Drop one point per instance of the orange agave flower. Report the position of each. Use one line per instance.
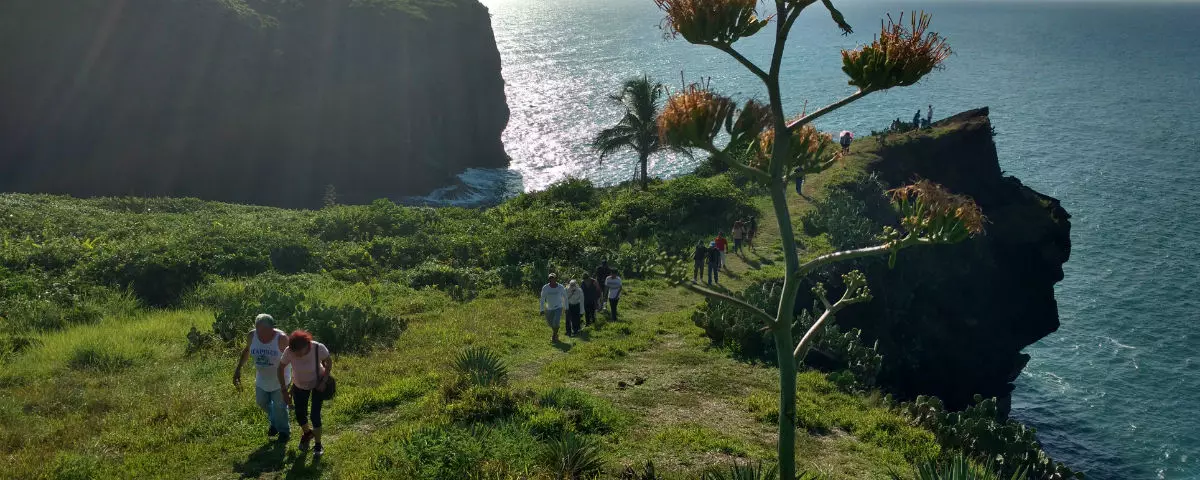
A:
(807, 150)
(694, 117)
(898, 57)
(712, 22)
(928, 211)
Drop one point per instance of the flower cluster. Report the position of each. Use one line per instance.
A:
(694, 117)
(899, 56)
(931, 213)
(712, 22)
(808, 150)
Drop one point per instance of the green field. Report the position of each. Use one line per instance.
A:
(100, 379)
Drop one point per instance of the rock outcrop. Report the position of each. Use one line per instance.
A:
(255, 101)
(952, 320)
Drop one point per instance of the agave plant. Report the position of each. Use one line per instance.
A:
(958, 467)
(481, 366)
(574, 457)
(748, 471)
(900, 55)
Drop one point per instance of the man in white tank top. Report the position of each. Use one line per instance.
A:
(266, 345)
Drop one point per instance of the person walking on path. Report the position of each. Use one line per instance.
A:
(591, 297)
(751, 231)
(737, 234)
(722, 245)
(846, 138)
(602, 273)
(553, 298)
(574, 308)
(917, 119)
(311, 364)
(613, 282)
(266, 345)
(714, 263)
(698, 256)
(798, 173)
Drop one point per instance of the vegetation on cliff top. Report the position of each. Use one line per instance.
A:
(97, 384)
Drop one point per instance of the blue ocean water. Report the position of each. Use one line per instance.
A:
(1094, 103)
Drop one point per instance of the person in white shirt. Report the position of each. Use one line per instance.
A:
(553, 298)
(266, 344)
(574, 308)
(614, 293)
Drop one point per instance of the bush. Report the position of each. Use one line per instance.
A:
(585, 413)
(574, 457)
(748, 471)
(576, 192)
(481, 367)
(442, 453)
(481, 404)
(979, 434)
(849, 213)
(958, 467)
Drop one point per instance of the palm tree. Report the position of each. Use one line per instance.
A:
(638, 129)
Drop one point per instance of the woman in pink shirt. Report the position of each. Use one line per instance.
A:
(311, 364)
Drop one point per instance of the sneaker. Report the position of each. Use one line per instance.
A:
(318, 449)
(304, 439)
(271, 432)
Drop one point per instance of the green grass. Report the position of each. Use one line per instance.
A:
(122, 398)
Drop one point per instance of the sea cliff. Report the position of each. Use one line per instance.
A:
(248, 101)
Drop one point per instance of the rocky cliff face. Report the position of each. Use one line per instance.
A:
(259, 101)
(952, 320)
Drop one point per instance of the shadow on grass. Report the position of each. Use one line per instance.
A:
(302, 468)
(271, 457)
(562, 346)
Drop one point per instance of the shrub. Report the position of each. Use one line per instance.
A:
(849, 213)
(747, 471)
(574, 457)
(958, 467)
(482, 404)
(585, 413)
(646, 472)
(482, 367)
(577, 192)
(198, 340)
(979, 434)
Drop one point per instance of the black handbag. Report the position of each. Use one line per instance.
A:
(330, 382)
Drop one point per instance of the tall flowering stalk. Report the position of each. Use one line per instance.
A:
(900, 55)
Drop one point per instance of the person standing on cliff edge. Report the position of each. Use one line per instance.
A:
(917, 119)
(929, 119)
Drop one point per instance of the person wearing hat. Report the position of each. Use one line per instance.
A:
(554, 296)
(266, 345)
(574, 308)
(714, 263)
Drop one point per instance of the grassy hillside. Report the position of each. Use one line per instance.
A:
(102, 379)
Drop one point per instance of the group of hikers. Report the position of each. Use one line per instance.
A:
(580, 300)
(713, 255)
(917, 121)
(290, 370)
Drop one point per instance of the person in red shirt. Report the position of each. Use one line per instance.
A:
(721, 245)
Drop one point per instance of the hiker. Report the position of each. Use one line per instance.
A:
(799, 174)
(574, 308)
(614, 293)
(308, 383)
(591, 295)
(846, 138)
(737, 234)
(602, 273)
(553, 298)
(698, 256)
(917, 119)
(929, 119)
(267, 344)
(722, 245)
(714, 263)
(751, 231)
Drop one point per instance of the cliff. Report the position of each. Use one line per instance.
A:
(255, 101)
(952, 320)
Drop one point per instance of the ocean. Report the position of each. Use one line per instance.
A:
(1093, 103)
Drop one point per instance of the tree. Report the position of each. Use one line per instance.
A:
(694, 117)
(638, 129)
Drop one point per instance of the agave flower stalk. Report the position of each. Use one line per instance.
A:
(900, 55)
